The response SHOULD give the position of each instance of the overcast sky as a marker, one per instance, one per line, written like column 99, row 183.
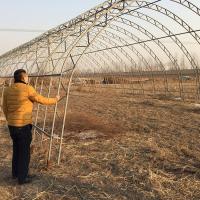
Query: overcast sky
column 47, row 14
column 36, row 14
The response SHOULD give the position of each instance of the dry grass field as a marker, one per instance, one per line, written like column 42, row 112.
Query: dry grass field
column 116, row 147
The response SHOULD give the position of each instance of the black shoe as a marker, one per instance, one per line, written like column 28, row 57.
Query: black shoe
column 26, row 181
column 31, row 176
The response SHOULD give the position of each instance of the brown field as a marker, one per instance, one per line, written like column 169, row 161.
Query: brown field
column 119, row 144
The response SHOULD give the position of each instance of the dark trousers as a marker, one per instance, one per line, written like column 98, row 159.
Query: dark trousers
column 21, row 137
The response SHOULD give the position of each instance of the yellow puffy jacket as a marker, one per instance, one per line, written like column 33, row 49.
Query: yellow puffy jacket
column 18, row 102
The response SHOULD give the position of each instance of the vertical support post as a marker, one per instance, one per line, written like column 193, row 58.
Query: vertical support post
column 140, row 77
column 153, row 83
column 65, row 114
column 36, row 81
column 10, row 82
column 46, row 108
column 153, row 80
column 197, row 83
column 142, row 85
column 35, row 86
column 2, row 94
column 3, row 88
column 55, row 110
column 53, row 124
column 65, row 111
column 166, row 83
column 38, row 108
column 180, row 80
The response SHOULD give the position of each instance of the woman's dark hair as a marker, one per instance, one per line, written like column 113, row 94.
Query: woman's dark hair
column 18, row 74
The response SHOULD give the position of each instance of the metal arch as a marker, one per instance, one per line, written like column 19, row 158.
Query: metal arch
column 22, row 52
column 107, row 56
column 95, row 61
column 3, row 68
column 6, row 68
column 22, row 56
column 36, row 53
column 91, row 58
column 112, row 9
column 160, row 44
column 148, row 49
column 75, row 39
column 113, row 35
column 117, row 57
column 119, row 15
column 62, row 29
column 146, row 5
column 6, row 60
column 113, row 53
column 22, row 61
column 95, row 13
column 135, row 51
column 58, row 91
column 24, row 48
column 1, row 61
column 67, row 25
column 168, row 32
column 119, row 49
column 124, row 53
column 92, row 25
column 132, row 37
column 102, row 57
column 66, row 105
column 41, row 53
column 171, row 15
column 104, row 53
column 118, row 5
column 180, row 21
column 47, row 57
column 35, row 61
column 188, row 5
column 53, row 60
column 148, row 34
column 5, row 71
column 102, row 42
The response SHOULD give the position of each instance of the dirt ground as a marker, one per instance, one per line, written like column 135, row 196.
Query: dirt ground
column 116, row 148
